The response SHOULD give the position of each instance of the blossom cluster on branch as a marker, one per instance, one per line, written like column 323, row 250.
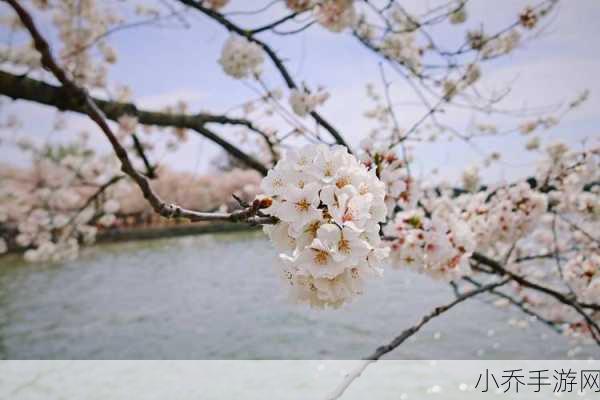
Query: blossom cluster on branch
column 303, row 103
column 241, row 58
column 439, row 246
column 330, row 207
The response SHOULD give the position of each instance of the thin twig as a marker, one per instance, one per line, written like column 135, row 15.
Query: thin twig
column 139, row 147
column 521, row 305
column 499, row 269
column 381, row 351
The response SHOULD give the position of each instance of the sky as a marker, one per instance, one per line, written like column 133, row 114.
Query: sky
column 166, row 64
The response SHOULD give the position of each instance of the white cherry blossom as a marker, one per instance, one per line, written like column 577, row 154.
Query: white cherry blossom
column 241, row 58
column 336, row 15
column 300, row 205
column 303, row 103
column 329, row 206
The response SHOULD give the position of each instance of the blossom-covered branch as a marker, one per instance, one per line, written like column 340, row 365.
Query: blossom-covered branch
column 277, row 61
column 95, row 113
column 498, row 268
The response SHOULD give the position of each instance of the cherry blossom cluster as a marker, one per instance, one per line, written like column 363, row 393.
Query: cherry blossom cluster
column 528, row 18
column 583, row 274
column 303, row 102
column 336, row 15
column 568, row 172
column 470, row 179
column 470, row 76
column 505, row 214
column 491, row 47
column 544, row 230
column 439, row 247
column 241, row 58
column 459, row 14
column 215, row 4
column 80, row 26
column 329, row 208
column 570, row 229
column 402, row 47
column 51, row 208
column 529, row 126
column 401, row 190
column 45, row 208
column 299, row 5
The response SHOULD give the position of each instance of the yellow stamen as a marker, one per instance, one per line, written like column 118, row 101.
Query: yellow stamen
column 303, row 205
column 343, row 181
column 313, row 228
column 328, row 170
column 344, row 246
column 321, row 257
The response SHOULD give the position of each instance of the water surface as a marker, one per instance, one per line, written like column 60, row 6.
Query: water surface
column 218, row 297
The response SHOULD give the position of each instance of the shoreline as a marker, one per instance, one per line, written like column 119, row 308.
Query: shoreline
column 165, row 232
column 117, row 235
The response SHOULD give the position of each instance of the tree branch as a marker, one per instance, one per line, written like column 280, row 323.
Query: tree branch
column 139, row 148
column 287, row 77
column 555, row 326
column 274, row 24
column 24, row 88
column 381, row 351
column 499, row 269
column 95, row 113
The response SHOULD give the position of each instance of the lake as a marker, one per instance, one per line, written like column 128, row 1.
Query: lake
column 219, row 297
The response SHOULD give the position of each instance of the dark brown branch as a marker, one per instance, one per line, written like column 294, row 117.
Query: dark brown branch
column 274, row 24
column 521, row 304
column 24, row 88
column 139, row 148
column 98, row 193
column 287, row 77
column 398, row 340
column 499, row 269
